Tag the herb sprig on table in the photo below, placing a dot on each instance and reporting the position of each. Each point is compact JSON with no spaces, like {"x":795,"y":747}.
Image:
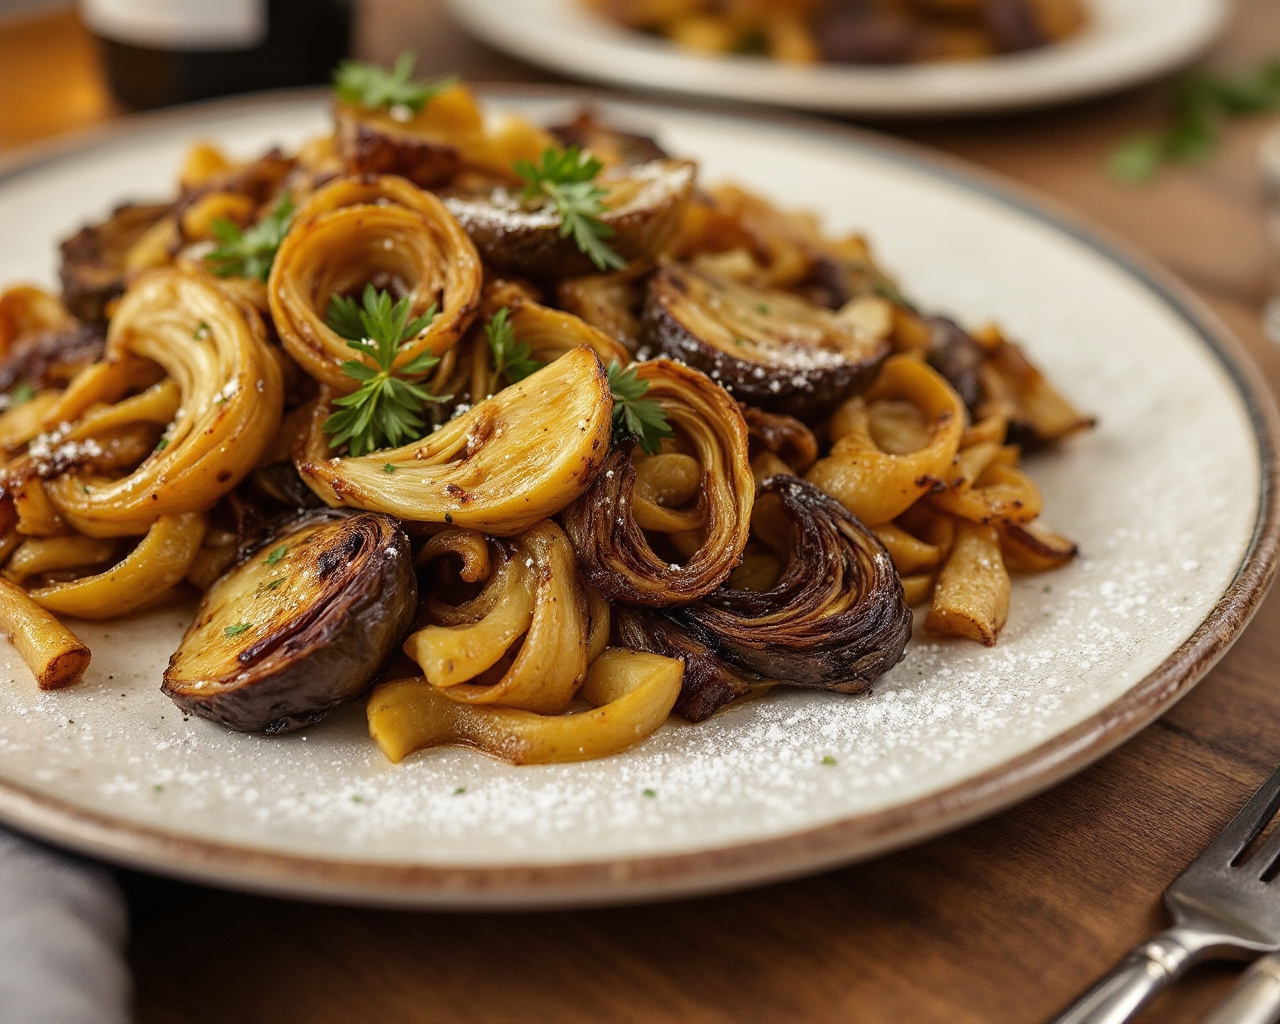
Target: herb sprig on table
{"x":568,"y":178}
{"x":384,"y":412}
{"x":373,"y":87}
{"x":1201,"y":104}
{"x":249,"y":252}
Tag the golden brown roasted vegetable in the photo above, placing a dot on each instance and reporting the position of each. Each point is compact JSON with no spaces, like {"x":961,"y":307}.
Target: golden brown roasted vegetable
{"x":302,"y":624}
{"x":615,"y":555}
{"x":549,"y":333}
{"x":448,"y":135}
{"x":159,"y":563}
{"x":373,"y":143}
{"x":644,"y":206}
{"x":894,"y":444}
{"x":225,"y":395}
{"x":606,"y":143}
{"x":356,"y":231}
{"x":95,"y":260}
{"x":608,"y":302}
{"x":632,"y":691}
{"x":54,"y":654}
{"x":522,"y":641}
{"x":771,"y":349}
{"x":513,"y":459}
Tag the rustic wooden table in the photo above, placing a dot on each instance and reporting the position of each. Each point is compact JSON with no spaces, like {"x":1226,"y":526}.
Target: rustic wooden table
{"x":1002,"y":922}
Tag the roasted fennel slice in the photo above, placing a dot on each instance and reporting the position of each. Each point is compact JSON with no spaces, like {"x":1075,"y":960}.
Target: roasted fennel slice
{"x":518,"y":457}
{"x":770,"y":348}
{"x":644,"y":204}
{"x":299,"y":626}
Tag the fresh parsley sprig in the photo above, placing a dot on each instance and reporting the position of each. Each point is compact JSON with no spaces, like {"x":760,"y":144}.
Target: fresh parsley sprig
{"x":367,"y":85}
{"x":21,"y":394}
{"x":384,"y":411}
{"x":512,"y":359}
{"x":567,"y":178}
{"x":1201,"y":104}
{"x":251,"y":251}
{"x":635,"y":414}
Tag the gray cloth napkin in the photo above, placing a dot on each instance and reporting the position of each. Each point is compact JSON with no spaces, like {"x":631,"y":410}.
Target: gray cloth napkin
{"x":62,"y":932}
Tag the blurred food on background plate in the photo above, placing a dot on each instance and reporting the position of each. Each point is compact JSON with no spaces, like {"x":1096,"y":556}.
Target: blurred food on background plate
{"x":853,"y":31}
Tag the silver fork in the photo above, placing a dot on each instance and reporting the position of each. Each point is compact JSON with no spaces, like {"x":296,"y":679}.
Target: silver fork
{"x":1223,"y":906}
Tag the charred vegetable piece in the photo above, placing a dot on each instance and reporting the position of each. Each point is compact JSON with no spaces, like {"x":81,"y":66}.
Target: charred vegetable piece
{"x":708,"y":682}
{"x":302,"y":624}
{"x":834,"y":620}
{"x":772,"y":349}
{"x":93,"y":259}
{"x":611,"y":145}
{"x":375,"y":144}
{"x":955,"y":355}
{"x":615,"y":552}
{"x":51,"y":357}
{"x":644,"y":204}
{"x":784,"y":436}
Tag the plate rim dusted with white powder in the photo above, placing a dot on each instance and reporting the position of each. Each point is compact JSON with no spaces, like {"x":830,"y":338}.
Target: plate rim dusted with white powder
{"x":1125,"y":43}
{"x":511,"y":882}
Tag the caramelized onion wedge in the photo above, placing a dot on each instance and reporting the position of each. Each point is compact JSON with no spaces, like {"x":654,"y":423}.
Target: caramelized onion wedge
{"x":772,"y":349}
{"x":615,"y":555}
{"x":356,"y":231}
{"x":518,"y":457}
{"x":644,"y":203}
{"x":302,"y":624}
{"x":633,"y":692}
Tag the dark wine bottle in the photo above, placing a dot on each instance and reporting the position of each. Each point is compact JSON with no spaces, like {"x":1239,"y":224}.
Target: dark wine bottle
{"x":158,"y":52}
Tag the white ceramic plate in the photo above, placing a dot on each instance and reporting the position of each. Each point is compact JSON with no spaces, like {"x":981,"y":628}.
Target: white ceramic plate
{"x":1128,"y":41}
{"x":1171,"y":498}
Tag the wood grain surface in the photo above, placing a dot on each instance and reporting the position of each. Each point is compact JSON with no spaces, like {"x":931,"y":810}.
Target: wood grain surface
{"x":1004,"y":921}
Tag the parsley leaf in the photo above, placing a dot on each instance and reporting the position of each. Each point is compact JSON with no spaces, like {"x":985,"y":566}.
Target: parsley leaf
{"x":384,"y":411}
{"x":22,"y":393}
{"x":237,"y":629}
{"x":635,"y":414}
{"x":1201,"y":103}
{"x":250,"y":252}
{"x":276,"y":554}
{"x":567,"y":178}
{"x":370,"y":86}
{"x":511,"y":359}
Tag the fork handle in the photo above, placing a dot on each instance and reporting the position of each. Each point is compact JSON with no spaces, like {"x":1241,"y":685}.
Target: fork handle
{"x":1256,"y":997}
{"x":1134,"y":982}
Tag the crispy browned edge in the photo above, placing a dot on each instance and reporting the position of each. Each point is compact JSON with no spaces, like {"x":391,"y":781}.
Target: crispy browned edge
{"x":714,"y":870}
